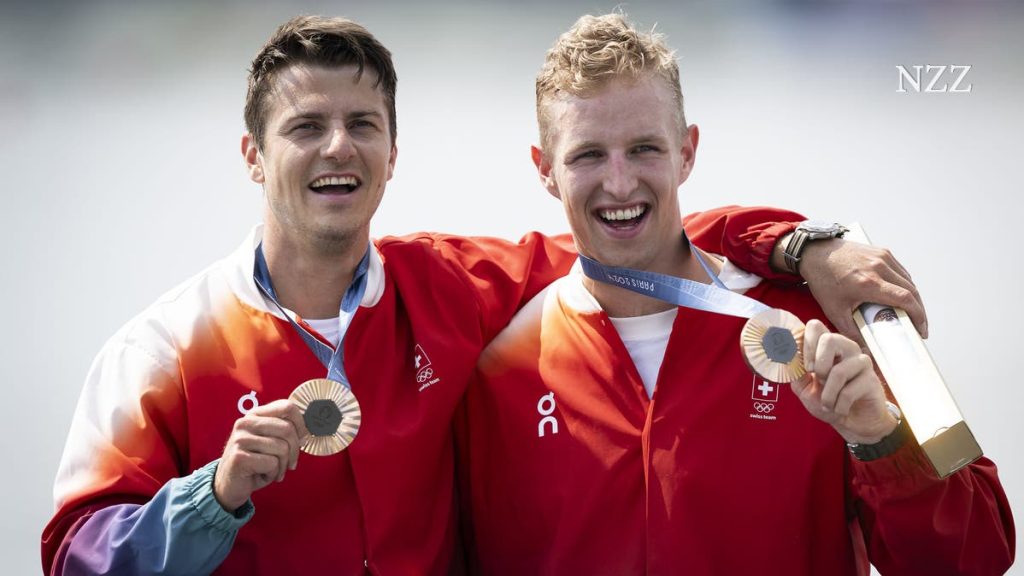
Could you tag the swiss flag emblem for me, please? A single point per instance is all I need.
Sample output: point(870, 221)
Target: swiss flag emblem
point(420, 360)
point(764, 391)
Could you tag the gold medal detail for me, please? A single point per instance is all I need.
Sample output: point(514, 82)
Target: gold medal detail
point(772, 343)
point(331, 414)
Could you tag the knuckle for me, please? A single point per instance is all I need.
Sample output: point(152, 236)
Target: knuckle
point(861, 282)
point(831, 339)
point(901, 293)
point(839, 376)
point(282, 446)
point(850, 371)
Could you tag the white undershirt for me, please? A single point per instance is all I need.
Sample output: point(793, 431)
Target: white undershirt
point(646, 338)
point(327, 327)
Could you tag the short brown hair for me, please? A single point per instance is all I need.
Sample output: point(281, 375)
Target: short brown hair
point(323, 41)
point(596, 50)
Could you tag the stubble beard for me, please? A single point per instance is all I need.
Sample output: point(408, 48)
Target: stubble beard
point(330, 241)
point(314, 238)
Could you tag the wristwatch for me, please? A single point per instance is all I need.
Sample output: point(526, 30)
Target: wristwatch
point(807, 231)
point(886, 446)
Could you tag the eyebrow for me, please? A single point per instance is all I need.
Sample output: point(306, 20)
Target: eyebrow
point(652, 137)
point(321, 116)
point(642, 139)
point(585, 145)
point(305, 116)
point(365, 113)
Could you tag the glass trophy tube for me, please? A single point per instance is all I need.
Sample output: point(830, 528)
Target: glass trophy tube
point(915, 382)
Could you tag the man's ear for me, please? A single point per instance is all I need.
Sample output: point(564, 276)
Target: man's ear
point(688, 152)
point(253, 158)
point(540, 160)
point(391, 160)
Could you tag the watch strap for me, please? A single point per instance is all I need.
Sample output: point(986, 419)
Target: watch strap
point(884, 447)
point(794, 248)
point(798, 242)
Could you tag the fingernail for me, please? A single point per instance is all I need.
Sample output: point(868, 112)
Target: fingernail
point(825, 408)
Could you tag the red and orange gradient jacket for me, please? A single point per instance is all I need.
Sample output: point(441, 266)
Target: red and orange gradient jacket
point(161, 398)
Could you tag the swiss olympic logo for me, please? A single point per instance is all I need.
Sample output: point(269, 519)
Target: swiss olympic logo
point(764, 395)
point(425, 373)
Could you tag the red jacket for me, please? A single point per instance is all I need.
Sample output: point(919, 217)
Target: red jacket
point(163, 394)
point(566, 466)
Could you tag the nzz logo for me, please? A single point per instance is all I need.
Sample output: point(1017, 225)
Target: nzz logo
point(914, 80)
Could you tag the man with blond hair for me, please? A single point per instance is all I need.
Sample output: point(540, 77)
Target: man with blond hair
point(611, 432)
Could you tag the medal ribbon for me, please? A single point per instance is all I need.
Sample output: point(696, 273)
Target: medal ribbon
point(679, 291)
point(332, 358)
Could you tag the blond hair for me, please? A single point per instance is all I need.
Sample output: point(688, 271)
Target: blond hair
point(597, 50)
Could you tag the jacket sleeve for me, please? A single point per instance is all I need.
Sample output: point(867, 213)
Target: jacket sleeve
point(181, 530)
point(505, 275)
point(124, 504)
point(744, 235)
point(501, 276)
point(917, 524)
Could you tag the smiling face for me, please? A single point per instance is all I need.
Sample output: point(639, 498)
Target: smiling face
point(326, 157)
point(616, 159)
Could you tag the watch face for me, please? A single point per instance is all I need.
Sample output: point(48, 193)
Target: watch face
point(819, 226)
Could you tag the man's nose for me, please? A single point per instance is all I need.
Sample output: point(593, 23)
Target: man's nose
point(619, 178)
point(339, 145)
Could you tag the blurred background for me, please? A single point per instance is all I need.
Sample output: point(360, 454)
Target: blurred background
point(121, 171)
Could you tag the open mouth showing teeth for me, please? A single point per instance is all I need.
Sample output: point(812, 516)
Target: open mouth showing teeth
point(334, 184)
point(623, 217)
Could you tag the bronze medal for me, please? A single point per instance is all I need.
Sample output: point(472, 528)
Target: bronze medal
point(331, 414)
point(772, 343)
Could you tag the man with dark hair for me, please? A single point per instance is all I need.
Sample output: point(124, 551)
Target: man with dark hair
point(184, 428)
